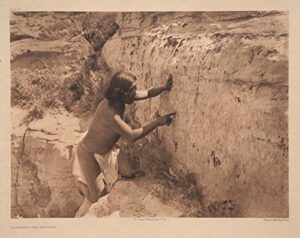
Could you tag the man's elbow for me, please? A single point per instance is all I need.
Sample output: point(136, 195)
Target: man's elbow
point(134, 135)
point(129, 140)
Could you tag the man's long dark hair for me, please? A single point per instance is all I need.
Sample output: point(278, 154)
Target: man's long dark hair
point(119, 86)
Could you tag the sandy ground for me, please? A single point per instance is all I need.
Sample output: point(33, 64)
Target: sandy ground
point(142, 197)
point(150, 196)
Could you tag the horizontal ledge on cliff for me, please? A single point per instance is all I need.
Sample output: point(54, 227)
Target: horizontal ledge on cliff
point(50, 140)
point(277, 85)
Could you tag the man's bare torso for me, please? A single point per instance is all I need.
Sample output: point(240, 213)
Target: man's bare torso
point(100, 137)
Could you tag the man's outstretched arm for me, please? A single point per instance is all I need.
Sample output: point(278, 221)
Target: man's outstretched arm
point(132, 135)
point(155, 91)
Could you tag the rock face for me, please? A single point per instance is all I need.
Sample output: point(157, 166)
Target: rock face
point(230, 92)
point(42, 158)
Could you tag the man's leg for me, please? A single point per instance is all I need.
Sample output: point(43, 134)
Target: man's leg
point(125, 168)
point(91, 170)
point(83, 209)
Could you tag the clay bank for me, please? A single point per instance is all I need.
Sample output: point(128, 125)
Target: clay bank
point(231, 97)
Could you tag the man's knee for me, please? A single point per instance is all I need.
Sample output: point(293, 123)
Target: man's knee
point(124, 165)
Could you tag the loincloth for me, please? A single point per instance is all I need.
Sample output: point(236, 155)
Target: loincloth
point(108, 164)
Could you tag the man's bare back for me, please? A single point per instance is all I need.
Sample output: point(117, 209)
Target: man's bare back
point(100, 137)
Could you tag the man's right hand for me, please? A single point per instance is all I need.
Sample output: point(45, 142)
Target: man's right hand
point(166, 119)
point(169, 83)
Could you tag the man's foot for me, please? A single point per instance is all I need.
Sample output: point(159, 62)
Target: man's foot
point(84, 208)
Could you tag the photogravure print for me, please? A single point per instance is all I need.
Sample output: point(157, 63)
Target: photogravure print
point(149, 114)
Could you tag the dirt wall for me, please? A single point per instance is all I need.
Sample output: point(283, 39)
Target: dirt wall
point(42, 161)
point(230, 93)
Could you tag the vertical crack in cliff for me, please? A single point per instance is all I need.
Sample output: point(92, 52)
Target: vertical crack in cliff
point(40, 192)
point(35, 194)
point(19, 160)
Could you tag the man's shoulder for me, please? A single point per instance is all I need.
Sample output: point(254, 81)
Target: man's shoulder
point(104, 110)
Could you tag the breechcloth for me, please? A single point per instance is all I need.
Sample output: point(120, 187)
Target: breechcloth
point(108, 164)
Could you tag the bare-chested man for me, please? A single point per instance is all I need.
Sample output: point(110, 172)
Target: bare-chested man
point(95, 165)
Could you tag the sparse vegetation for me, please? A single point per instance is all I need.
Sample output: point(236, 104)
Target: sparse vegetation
point(52, 75)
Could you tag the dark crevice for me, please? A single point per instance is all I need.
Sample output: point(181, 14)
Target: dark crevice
point(19, 37)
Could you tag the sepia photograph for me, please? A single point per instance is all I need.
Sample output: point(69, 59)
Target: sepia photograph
point(149, 114)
